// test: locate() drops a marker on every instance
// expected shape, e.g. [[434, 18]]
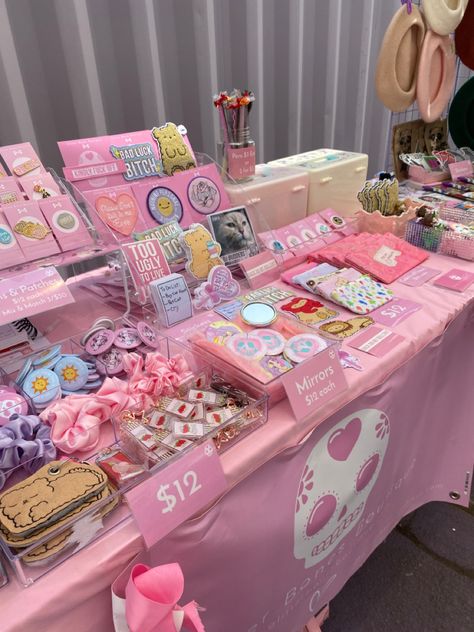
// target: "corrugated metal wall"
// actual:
[[73, 68]]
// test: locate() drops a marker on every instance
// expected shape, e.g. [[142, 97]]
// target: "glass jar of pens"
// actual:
[[237, 149]]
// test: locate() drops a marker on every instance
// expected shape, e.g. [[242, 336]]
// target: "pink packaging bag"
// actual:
[[66, 223], [40, 187], [118, 208], [22, 160], [187, 197], [10, 192], [135, 152], [362, 295], [386, 257], [10, 251], [28, 218]]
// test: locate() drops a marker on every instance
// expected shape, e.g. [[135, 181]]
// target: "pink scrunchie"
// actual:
[[75, 420]]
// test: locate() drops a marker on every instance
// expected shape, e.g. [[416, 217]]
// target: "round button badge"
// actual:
[[273, 340], [42, 385], [148, 335], [203, 195], [127, 338], [164, 205], [110, 362], [72, 372], [11, 404], [100, 341], [303, 346], [247, 346]]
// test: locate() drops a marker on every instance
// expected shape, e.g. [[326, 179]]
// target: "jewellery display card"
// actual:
[[31, 230], [22, 160], [39, 187], [10, 251], [65, 222], [186, 197], [10, 192]]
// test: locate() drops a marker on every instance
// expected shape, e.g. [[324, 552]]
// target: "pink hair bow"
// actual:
[[152, 596]]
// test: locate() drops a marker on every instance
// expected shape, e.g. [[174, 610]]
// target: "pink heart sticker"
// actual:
[[342, 441], [223, 283], [120, 215]]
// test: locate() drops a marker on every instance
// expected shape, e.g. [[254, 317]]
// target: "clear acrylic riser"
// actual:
[[104, 515]]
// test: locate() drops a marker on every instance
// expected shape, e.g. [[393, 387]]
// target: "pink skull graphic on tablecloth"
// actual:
[[336, 481]]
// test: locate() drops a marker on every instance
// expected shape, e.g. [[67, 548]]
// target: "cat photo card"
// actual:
[[233, 230]]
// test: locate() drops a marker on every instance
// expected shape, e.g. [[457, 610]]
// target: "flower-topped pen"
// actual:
[[238, 148]]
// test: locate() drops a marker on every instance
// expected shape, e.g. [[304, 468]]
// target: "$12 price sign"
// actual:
[[178, 491]]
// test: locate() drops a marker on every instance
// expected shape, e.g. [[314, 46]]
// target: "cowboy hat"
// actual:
[[443, 16], [436, 75], [461, 116], [464, 37], [396, 66]]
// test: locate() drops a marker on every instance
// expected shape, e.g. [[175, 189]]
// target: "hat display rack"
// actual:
[[412, 113]]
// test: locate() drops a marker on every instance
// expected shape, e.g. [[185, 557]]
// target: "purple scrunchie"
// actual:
[[24, 441]]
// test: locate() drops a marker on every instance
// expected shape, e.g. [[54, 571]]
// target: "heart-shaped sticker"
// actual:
[[341, 442], [120, 215], [222, 282]]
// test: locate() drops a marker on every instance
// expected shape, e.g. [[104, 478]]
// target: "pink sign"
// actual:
[[459, 169], [395, 311], [31, 293], [418, 276], [456, 279], [94, 171], [314, 382], [146, 261], [241, 162], [177, 492], [260, 269], [376, 341]]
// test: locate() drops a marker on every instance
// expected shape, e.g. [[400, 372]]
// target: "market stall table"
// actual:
[[307, 502]]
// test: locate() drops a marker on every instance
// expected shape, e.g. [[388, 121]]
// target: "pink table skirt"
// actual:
[[260, 557]]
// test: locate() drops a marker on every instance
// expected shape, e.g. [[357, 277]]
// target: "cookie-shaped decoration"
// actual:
[[175, 154], [51, 493]]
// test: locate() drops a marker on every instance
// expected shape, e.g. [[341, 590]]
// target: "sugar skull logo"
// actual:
[[336, 481]]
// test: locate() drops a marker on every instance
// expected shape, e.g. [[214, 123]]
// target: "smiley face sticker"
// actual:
[[164, 205]]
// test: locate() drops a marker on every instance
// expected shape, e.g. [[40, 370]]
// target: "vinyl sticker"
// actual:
[[164, 205]]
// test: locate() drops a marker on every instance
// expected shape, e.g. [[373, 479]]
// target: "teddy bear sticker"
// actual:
[[175, 153]]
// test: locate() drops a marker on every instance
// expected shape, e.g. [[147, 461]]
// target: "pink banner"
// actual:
[[283, 542]]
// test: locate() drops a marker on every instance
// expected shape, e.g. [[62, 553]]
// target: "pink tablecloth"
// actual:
[[76, 595]]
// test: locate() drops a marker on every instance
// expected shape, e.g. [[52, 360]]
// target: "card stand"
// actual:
[[225, 435], [98, 245], [33, 561], [251, 372], [435, 239]]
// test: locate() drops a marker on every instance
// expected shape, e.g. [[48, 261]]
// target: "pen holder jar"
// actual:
[[238, 160]]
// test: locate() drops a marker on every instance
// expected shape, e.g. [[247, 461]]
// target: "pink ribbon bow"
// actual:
[[152, 596]]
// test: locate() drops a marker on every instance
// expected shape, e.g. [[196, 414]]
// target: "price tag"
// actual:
[[314, 382], [462, 168], [31, 293], [395, 311], [173, 494]]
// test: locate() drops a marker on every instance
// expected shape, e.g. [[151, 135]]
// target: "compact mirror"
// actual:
[[258, 314]]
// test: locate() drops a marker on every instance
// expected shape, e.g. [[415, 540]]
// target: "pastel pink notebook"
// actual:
[[386, 257]]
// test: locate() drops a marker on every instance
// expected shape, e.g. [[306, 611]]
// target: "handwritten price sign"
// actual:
[[173, 494]]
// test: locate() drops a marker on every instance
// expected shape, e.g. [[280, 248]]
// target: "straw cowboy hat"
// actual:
[[461, 116], [464, 37], [436, 75], [443, 16], [395, 76]]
